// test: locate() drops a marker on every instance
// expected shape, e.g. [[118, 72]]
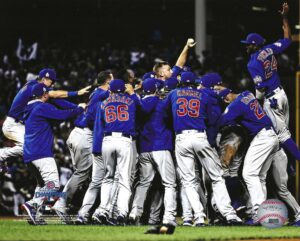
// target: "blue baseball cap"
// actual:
[[254, 38], [148, 75], [39, 89], [117, 86], [187, 77], [210, 80], [48, 73], [149, 85], [171, 83], [224, 93]]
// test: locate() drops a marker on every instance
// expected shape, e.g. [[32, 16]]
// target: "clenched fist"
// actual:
[[190, 42]]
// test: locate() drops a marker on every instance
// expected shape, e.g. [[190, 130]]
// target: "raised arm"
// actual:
[[65, 94], [286, 27], [183, 55]]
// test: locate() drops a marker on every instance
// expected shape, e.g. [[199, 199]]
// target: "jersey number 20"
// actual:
[[259, 113], [119, 112], [190, 107]]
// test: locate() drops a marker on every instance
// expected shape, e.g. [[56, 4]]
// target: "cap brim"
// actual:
[[244, 42]]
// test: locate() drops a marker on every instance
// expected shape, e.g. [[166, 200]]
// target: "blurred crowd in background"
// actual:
[[78, 67]]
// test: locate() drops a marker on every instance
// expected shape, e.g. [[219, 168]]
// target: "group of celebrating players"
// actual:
[[175, 127]]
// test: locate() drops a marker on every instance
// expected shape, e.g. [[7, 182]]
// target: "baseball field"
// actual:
[[20, 230]]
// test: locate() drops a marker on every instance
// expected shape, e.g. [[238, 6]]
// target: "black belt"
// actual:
[[183, 131], [122, 134], [272, 92]]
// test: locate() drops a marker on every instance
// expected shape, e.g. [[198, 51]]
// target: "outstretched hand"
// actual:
[[285, 9], [85, 90], [191, 42]]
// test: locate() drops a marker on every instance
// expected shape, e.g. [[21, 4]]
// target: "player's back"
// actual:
[[38, 132], [20, 101], [189, 108], [251, 114], [118, 112], [154, 133]]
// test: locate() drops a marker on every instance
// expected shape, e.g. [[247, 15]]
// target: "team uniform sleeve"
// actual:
[[90, 114], [280, 45], [257, 74], [98, 130], [51, 112], [230, 115], [63, 104], [176, 71]]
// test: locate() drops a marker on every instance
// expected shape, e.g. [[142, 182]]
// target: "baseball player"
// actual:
[[80, 146], [244, 109], [156, 142], [38, 154], [190, 109], [13, 126], [93, 190], [208, 81], [163, 70], [117, 115], [262, 67]]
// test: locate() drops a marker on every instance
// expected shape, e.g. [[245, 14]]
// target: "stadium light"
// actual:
[[259, 9]]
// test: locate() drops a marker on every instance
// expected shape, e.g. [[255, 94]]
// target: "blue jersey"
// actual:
[[190, 108], [212, 126], [38, 128], [115, 114], [262, 65], [246, 110], [88, 117], [154, 133], [20, 101], [62, 104]]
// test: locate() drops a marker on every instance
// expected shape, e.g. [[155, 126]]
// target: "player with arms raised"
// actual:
[[262, 67]]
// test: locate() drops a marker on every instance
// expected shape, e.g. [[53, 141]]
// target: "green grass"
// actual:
[[20, 230]]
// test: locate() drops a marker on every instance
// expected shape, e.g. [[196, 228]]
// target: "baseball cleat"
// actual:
[[65, 218], [121, 221], [134, 220], [296, 223], [251, 222], [31, 212], [234, 222], [80, 220], [187, 223], [199, 225], [101, 219], [169, 223]]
